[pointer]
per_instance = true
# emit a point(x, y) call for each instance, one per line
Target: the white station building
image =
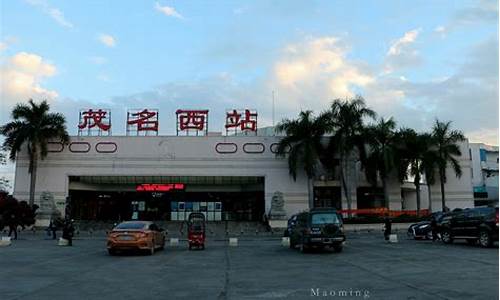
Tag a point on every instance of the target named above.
point(111, 178)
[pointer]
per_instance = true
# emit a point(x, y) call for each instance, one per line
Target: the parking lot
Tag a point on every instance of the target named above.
point(258, 268)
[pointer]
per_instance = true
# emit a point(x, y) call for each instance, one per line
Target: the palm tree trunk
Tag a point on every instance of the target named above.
point(33, 167)
point(430, 197)
point(417, 186)
point(344, 186)
point(386, 192)
point(441, 179)
point(310, 190)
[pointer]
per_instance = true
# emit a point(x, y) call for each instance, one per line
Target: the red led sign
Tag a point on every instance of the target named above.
point(155, 187)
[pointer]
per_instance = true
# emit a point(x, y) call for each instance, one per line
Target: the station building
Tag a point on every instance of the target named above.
point(112, 178)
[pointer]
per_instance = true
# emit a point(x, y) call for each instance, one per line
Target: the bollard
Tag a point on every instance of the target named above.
point(393, 238)
point(174, 242)
point(62, 242)
point(233, 242)
point(285, 241)
point(5, 241)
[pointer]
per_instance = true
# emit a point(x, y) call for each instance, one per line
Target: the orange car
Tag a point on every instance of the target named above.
point(141, 235)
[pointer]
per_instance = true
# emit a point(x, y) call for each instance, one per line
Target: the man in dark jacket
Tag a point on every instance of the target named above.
point(68, 231)
point(387, 227)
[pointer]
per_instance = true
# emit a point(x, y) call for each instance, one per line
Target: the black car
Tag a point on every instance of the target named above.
point(318, 228)
point(472, 224)
point(423, 229)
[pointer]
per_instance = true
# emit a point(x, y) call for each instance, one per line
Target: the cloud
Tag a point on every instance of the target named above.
point(107, 40)
point(482, 11)
point(317, 70)
point(402, 53)
point(53, 12)
point(168, 11)
point(21, 78)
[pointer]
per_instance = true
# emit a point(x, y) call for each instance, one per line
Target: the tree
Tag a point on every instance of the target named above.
point(447, 141)
point(302, 144)
point(380, 156)
point(430, 165)
point(346, 123)
point(413, 149)
point(33, 126)
point(4, 182)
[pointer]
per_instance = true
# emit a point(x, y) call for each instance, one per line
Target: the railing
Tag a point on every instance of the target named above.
point(382, 211)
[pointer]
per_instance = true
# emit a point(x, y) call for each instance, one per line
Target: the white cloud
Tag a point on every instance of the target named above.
point(402, 53)
point(21, 78)
point(168, 11)
point(317, 69)
point(53, 12)
point(107, 40)
point(408, 38)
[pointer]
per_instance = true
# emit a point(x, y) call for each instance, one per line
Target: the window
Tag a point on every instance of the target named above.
point(134, 225)
point(324, 218)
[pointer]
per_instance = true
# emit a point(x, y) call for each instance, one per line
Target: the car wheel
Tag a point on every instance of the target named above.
point(485, 239)
point(337, 248)
point(446, 236)
point(112, 252)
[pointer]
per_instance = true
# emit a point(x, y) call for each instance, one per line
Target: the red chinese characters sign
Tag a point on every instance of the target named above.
point(142, 120)
point(243, 120)
point(95, 121)
point(155, 187)
point(196, 120)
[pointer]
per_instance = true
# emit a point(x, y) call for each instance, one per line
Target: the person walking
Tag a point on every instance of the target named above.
point(13, 225)
point(52, 229)
point(387, 227)
point(68, 231)
point(434, 228)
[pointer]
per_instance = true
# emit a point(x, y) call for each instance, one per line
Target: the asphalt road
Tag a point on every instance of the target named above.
point(258, 268)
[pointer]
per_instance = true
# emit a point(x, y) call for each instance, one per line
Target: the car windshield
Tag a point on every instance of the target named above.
point(324, 218)
point(136, 225)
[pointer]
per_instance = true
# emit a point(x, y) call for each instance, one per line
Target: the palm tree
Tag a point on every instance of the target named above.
point(412, 152)
point(347, 125)
point(379, 161)
point(302, 144)
point(447, 149)
point(430, 165)
point(33, 126)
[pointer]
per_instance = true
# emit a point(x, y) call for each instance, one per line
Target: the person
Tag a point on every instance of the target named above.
point(52, 228)
point(13, 225)
point(434, 228)
point(68, 231)
point(387, 227)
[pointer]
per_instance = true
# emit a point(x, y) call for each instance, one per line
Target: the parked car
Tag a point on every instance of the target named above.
point(423, 229)
point(290, 225)
point(318, 228)
point(472, 224)
point(138, 235)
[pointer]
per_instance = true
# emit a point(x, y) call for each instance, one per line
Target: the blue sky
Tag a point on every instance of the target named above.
point(412, 60)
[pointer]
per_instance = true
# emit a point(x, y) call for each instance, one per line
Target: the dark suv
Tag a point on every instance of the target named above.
point(472, 224)
point(318, 228)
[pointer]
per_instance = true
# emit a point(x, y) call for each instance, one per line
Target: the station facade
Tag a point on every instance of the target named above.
point(101, 177)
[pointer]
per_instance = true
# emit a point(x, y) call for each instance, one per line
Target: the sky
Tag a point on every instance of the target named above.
point(413, 60)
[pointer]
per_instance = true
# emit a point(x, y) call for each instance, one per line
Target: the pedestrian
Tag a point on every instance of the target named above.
point(13, 225)
point(52, 228)
point(387, 227)
point(434, 228)
point(68, 231)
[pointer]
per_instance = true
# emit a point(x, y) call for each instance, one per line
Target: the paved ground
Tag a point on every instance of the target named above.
point(258, 268)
